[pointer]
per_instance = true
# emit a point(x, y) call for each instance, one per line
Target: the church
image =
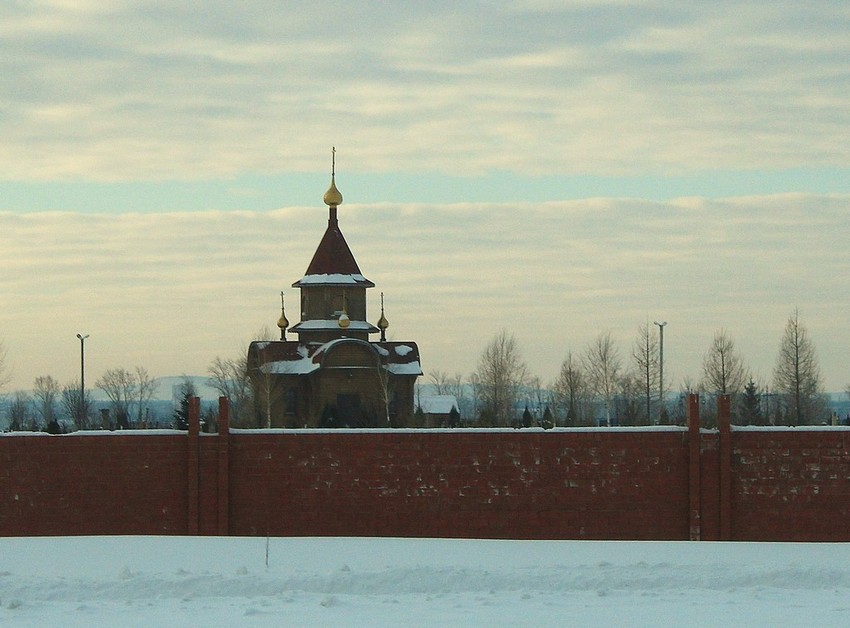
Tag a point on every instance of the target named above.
point(333, 374)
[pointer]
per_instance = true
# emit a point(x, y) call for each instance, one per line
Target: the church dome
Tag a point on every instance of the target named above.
point(332, 197)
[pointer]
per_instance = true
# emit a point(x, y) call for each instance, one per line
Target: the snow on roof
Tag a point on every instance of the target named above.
point(304, 366)
point(332, 323)
point(333, 279)
point(437, 404)
point(410, 368)
point(294, 358)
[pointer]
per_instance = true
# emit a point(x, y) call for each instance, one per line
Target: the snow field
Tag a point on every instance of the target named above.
point(213, 581)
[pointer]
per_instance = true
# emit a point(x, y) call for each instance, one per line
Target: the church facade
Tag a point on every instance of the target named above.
point(333, 374)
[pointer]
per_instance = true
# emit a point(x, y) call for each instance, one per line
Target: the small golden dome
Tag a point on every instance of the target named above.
point(332, 197)
point(344, 321)
point(383, 323)
point(282, 323)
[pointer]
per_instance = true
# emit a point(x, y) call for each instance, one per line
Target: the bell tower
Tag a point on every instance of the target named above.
point(333, 290)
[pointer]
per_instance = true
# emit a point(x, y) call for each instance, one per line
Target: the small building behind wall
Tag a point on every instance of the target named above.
point(333, 375)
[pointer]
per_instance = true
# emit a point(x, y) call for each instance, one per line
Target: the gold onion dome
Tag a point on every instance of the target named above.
point(332, 197)
point(282, 322)
point(383, 323)
point(344, 321)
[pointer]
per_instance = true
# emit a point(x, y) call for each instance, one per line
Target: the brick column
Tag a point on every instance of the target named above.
point(223, 466)
point(693, 468)
point(724, 423)
point(193, 468)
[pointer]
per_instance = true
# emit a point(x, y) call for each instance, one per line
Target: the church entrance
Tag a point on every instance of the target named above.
point(348, 409)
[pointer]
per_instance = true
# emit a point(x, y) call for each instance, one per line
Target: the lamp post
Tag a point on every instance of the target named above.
point(661, 369)
point(82, 405)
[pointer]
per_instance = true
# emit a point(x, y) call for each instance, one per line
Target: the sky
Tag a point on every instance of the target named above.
point(230, 581)
point(553, 169)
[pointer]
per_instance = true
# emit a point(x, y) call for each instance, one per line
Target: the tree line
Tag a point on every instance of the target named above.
point(602, 385)
point(598, 385)
point(54, 408)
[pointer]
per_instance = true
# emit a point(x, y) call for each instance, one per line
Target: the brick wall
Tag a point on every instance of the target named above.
point(791, 485)
point(124, 483)
point(626, 483)
point(595, 484)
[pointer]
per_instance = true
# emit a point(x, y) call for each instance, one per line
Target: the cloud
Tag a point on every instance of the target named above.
point(170, 291)
point(127, 91)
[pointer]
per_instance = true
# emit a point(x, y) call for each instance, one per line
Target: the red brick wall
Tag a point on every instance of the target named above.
point(791, 485)
point(514, 484)
point(128, 483)
point(670, 484)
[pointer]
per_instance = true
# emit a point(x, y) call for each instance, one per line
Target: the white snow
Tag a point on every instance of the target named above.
point(333, 324)
point(333, 279)
point(192, 581)
point(410, 368)
point(403, 350)
point(302, 366)
point(437, 404)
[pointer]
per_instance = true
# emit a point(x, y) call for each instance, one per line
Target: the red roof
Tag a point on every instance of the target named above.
point(333, 256)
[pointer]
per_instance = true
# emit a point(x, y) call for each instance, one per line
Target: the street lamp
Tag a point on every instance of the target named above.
point(82, 405)
point(661, 369)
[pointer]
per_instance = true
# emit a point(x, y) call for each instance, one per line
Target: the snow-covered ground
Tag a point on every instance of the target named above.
point(190, 581)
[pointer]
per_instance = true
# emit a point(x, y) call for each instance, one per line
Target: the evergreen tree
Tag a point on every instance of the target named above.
point(750, 405)
point(548, 420)
point(181, 413)
point(527, 418)
point(454, 417)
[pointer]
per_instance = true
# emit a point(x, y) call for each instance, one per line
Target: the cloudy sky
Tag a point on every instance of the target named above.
point(555, 169)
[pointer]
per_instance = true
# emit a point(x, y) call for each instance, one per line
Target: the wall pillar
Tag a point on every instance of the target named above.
point(724, 424)
point(693, 468)
point(193, 467)
point(223, 466)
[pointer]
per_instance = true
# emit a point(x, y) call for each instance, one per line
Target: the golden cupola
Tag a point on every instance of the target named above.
point(383, 323)
point(282, 322)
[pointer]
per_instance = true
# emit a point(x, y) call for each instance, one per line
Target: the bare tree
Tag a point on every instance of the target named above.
point(5, 374)
point(440, 382)
point(120, 386)
point(630, 398)
point(540, 397)
point(602, 365)
point(46, 391)
point(475, 402)
point(231, 379)
point(268, 387)
point(385, 384)
point(571, 390)
point(647, 360)
point(145, 387)
point(19, 411)
point(723, 370)
point(501, 374)
point(797, 374)
point(77, 405)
